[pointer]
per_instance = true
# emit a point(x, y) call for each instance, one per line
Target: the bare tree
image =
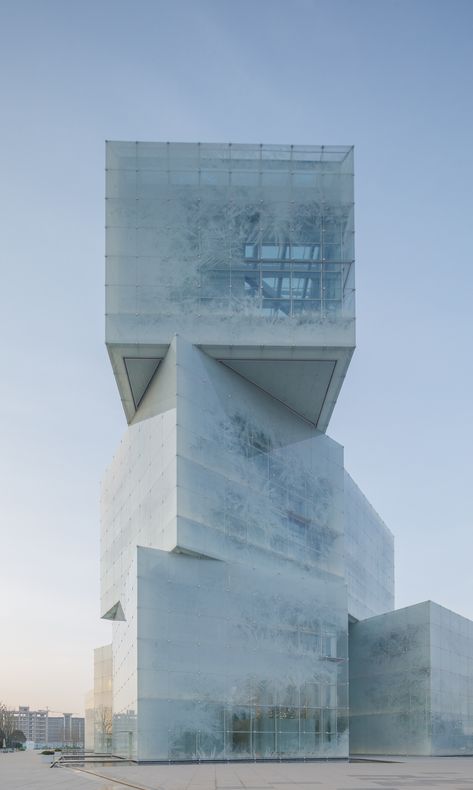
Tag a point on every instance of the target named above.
point(7, 724)
point(103, 729)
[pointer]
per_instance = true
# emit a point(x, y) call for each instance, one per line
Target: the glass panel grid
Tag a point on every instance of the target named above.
point(237, 206)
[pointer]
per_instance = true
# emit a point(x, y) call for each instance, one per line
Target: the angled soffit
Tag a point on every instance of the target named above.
point(140, 371)
point(302, 385)
point(114, 613)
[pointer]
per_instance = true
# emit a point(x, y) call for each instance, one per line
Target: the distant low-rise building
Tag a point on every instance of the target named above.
point(42, 729)
point(32, 723)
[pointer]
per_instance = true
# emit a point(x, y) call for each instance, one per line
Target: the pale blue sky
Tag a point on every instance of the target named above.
point(394, 79)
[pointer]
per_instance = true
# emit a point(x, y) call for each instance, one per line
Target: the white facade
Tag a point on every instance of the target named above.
point(411, 676)
point(228, 551)
point(369, 556)
point(245, 250)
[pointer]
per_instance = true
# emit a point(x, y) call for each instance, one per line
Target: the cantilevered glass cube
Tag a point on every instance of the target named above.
point(245, 250)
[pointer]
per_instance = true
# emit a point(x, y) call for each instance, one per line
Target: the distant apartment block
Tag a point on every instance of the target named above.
point(43, 729)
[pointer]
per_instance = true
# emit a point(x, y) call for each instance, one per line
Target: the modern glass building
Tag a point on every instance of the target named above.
point(411, 682)
point(234, 545)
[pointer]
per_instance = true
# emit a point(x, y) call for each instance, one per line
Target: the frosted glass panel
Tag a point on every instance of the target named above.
point(236, 684)
point(242, 646)
point(197, 207)
point(369, 548)
point(410, 683)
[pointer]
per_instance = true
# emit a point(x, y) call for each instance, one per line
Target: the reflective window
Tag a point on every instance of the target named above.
point(332, 252)
point(305, 252)
point(276, 285)
point(332, 285)
point(272, 251)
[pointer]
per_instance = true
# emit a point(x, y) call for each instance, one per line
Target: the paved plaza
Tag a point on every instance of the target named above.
point(26, 771)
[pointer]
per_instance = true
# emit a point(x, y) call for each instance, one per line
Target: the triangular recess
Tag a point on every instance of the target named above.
point(300, 384)
point(140, 371)
point(115, 613)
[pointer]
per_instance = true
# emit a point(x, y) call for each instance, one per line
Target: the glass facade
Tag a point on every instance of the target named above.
point(245, 250)
point(203, 233)
point(411, 683)
point(232, 667)
point(238, 600)
point(451, 700)
point(229, 529)
point(252, 475)
point(139, 490)
point(369, 556)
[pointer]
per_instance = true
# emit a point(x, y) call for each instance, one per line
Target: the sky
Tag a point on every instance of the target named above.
point(391, 77)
